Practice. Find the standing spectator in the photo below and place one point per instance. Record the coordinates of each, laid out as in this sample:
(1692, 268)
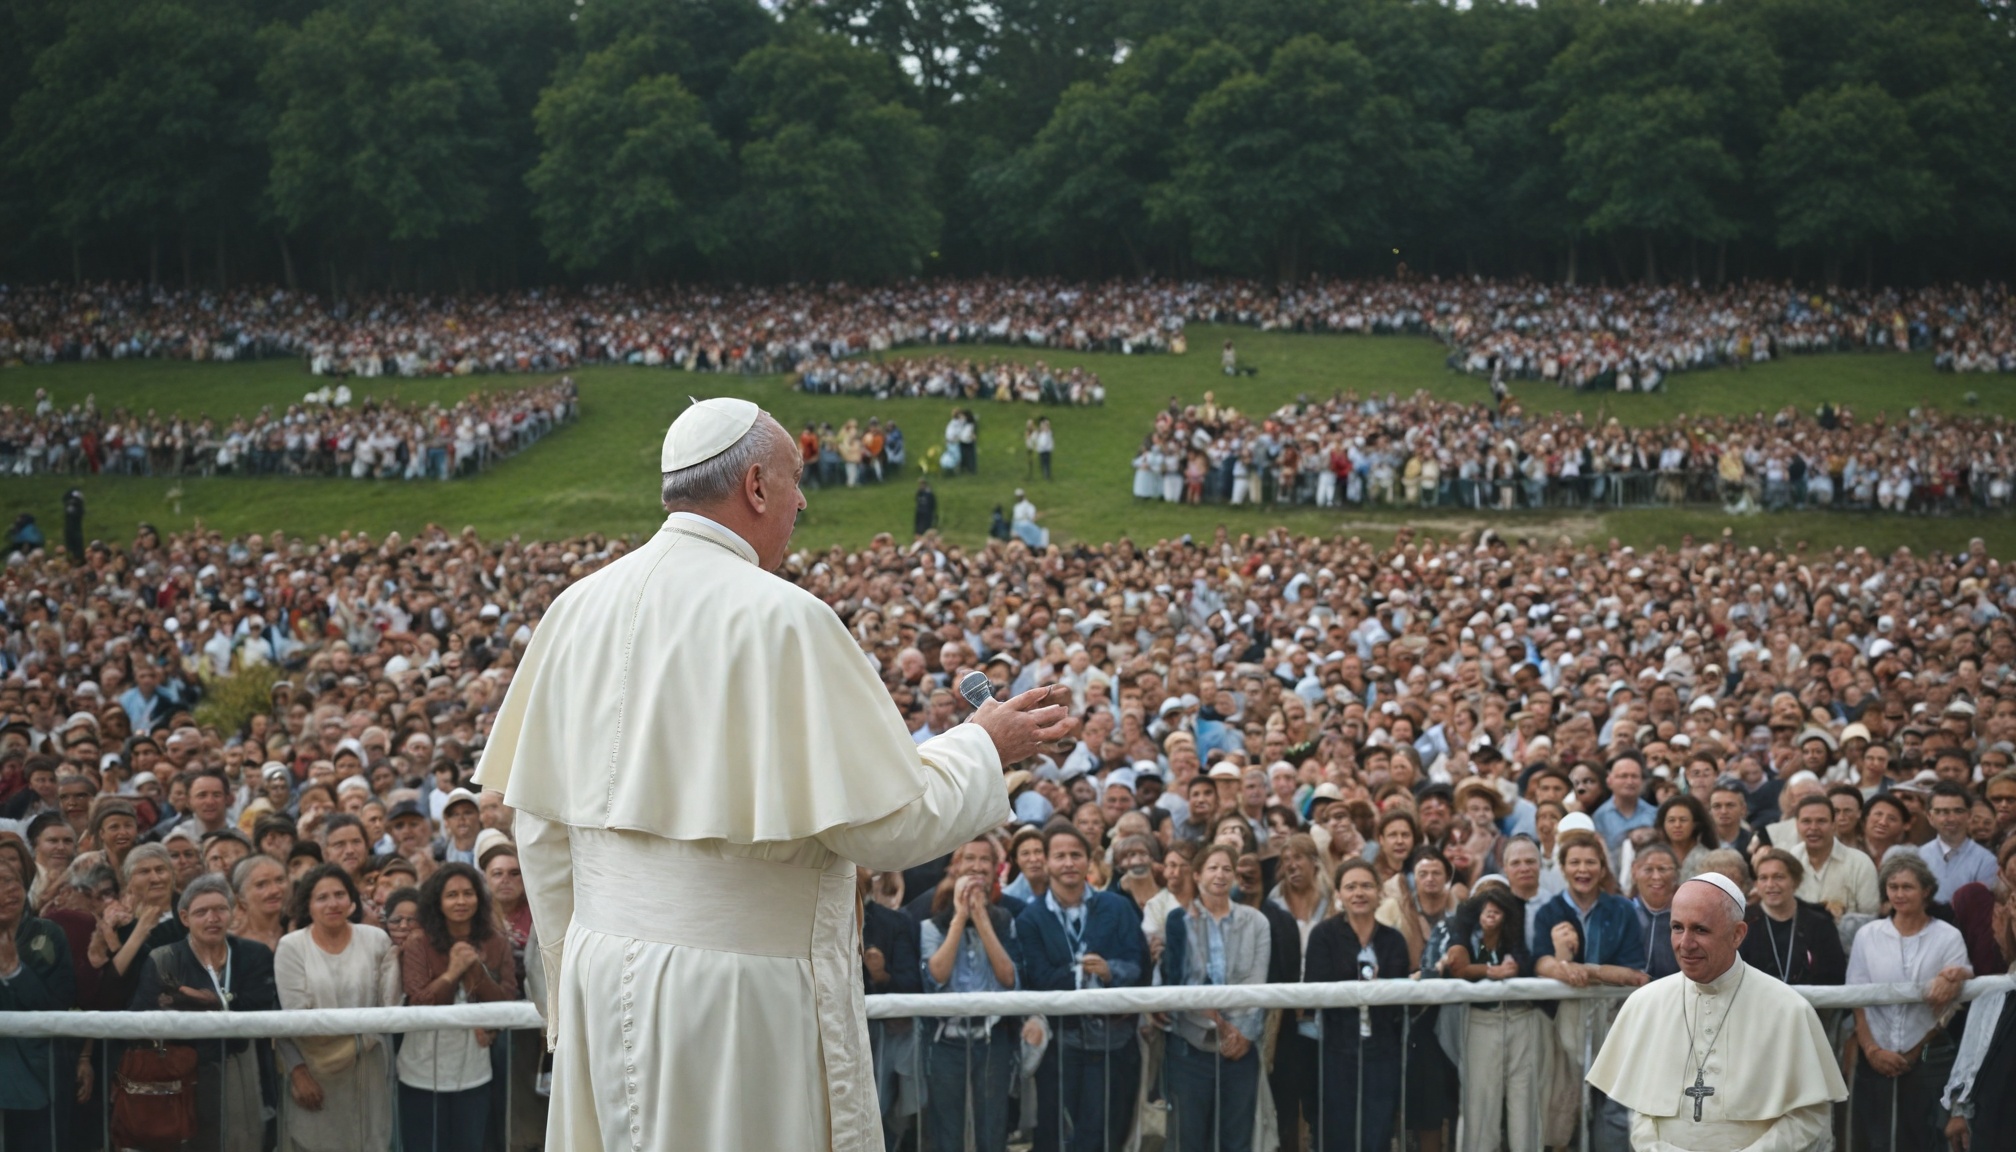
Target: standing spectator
(1361, 1046)
(402, 915)
(1906, 1044)
(73, 524)
(261, 886)
(1213, 1056)
(925, 518)
(1304, 894)
(505, 883)
(1505, 1061)
(969, 446)
(463, 820)
(1046, 445)
(1077, 937)
(1626, 808)
(1655, 874)
(457, 956)
(35, 976)
(54, 845)
(892, 447)
(1838, 877)
(1981, 912)
(340, 1086)
(211, 970)
(1954, 856)
(1590, 935)
(142, 920)
(1791, 939)
(889, 963)
(1683, 826)
(1422, 906)
(970, 1061)
(1023, 523)
(1982, 1108)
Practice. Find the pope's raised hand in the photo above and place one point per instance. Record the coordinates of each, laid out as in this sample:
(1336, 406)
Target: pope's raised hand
(1027, 724)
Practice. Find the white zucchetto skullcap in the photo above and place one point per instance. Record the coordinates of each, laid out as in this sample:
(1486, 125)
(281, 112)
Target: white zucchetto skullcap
(1727, 886)
(705, 430)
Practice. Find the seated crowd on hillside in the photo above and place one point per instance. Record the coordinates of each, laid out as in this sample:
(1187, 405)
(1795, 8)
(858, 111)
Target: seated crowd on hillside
(322, 435)
(948, 377)
(1589, 336)
(1425, 452)
(1302, 760)
(699, 328)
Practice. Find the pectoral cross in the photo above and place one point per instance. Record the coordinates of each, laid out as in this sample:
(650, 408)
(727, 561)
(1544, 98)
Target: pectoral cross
(1699, 1092)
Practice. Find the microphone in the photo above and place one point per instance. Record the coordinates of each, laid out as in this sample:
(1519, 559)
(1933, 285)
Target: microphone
(976, 688)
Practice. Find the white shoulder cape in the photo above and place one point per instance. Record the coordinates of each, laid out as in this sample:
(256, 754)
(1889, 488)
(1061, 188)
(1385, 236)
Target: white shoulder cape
(683, 692)
(1774, 1038)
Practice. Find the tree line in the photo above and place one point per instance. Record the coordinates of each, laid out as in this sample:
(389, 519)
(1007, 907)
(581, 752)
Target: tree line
(476, 144)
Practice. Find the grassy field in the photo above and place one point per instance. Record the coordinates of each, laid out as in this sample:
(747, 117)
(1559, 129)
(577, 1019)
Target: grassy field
(600, 475)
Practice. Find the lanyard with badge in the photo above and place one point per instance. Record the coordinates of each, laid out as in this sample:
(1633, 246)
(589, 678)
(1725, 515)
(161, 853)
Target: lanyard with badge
(1074, 935)
(221, 982)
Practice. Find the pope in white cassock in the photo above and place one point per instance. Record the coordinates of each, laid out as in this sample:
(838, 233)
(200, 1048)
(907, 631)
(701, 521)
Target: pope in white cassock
(700, 755)
(1719, 1057)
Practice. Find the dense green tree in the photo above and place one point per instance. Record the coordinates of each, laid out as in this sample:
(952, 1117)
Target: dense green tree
(1278, 167)
(1661, 106)
(630, 165)
(699, 41)
(1847, 171)
(458, 143)
(1084, 183)
(836, 173)
(140, 119)
(378, 135)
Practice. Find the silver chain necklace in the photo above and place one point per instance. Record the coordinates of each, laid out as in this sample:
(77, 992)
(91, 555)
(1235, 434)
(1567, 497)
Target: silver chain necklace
(1784, 962)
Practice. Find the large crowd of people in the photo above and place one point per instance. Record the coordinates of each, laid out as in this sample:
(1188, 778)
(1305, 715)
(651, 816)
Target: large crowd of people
(324, 434)
(949, 377)
(1419, 451)
(699, 328)
(1302, 759)
(1625, 338)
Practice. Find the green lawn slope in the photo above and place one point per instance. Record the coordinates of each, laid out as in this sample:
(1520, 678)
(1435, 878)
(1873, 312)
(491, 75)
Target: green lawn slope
(601, 474)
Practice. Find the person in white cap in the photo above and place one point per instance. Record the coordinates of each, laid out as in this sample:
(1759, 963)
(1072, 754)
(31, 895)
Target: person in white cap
(683, 718)
(1719, 1056)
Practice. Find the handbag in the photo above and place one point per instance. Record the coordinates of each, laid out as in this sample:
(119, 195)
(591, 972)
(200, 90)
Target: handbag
(154, 1097)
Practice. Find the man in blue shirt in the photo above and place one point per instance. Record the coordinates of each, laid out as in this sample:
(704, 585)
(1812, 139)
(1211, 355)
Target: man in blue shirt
(1077, 937)
(149, 702)
(1625, 809)
(1953, 855)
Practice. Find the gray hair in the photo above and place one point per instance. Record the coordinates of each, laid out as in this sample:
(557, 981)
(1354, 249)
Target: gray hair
(89, 872)
(207, 884)
(241, 872)
(712, 481)
(140, 855)
(1914, 864)
(1727, 861)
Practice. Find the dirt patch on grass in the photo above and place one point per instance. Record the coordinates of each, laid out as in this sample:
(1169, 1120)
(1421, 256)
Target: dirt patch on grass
(1574, 525)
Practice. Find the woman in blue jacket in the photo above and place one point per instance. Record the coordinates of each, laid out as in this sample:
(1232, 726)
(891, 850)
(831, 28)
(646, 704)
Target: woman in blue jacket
(1590, 935)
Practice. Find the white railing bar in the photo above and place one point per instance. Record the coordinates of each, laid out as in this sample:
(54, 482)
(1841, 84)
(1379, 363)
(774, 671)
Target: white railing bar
(520, 1014)
(1344, 994)
(500, 1015)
